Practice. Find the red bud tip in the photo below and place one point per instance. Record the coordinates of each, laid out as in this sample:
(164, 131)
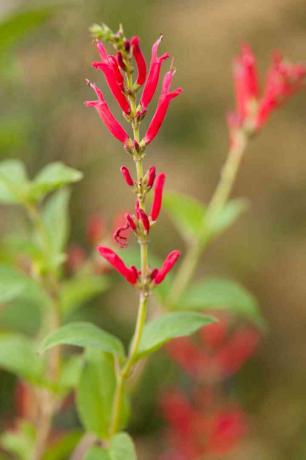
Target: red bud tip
(127, 176)
(158, 195)
(168, 264)
(151, 176)
(130, 221)
(129, 273)
(144, 219)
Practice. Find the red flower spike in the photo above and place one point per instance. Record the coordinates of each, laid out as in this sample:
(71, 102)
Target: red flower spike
(140, 61)
(153, 77)
(127, 176)
(151, 176)
(162, 107)
(144, 219)
(158, 196)
(129, 273)
(112, 80)
(168, 264)
(106, 116)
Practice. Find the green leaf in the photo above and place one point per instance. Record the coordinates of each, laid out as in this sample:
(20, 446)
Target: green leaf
(169, 326)
(84, 335)
(61, 448)
(96, 453)
(13, 182)
(52, 177)
(18, 355)
(95, 393)
(122, 448)
(220, 294)
(79, 290)
(228, 215)
(187, 213)
(56, 222)
(12, 283)
(70, 373)
(20, 442)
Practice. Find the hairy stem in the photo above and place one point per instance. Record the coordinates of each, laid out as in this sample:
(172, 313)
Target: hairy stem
(48, 281)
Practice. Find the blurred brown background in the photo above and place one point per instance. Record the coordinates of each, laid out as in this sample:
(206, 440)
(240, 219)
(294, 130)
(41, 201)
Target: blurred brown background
(42, 93)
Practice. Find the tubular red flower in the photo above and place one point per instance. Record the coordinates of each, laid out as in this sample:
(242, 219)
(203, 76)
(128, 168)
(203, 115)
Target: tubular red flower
(140, 60)
(168, 264)
(153, 77)
(101, 49)
(162, 107)
(127, 176)
(111, 76)
(158, 196)
(144, 219)
(151, 176)
(282, 81)
(245, 79)
(129, 273)
(120, 61)
(106, 116)
(130, 221)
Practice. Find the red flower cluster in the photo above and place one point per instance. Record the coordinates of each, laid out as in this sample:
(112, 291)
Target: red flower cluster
(117, 70)
(205, 423)
(283, 80)
(218, 352)
(113, 68)
(200, 426)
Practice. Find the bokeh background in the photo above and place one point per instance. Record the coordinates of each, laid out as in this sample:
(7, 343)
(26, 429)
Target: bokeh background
(43, 64)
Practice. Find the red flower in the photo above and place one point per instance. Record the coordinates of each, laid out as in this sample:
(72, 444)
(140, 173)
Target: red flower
(162, 107)
(106, 116)
(127, 176)
(170, 261)
(151, 174)
(153, 77)
(142, 216)
(158, 196)
(140, 61)
(283, 80)
(129, 273)
(112, 75)
(245, 78)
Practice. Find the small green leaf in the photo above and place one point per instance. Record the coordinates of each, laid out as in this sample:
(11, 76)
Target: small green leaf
(56, 222)
(187, 214)
(12, 283)
(79, 290)
(96, 453)
(18, 355)
(228, 215)
(20, 442)
(223, 294)
(52, 177)
(61, 448)
(169, 326)
(95, 393)
(13, 182)
(86, 335)
(122, 448)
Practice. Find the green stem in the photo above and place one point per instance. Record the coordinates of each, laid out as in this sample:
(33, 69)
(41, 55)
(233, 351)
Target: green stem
(217, 202)
(125, 371)
(49, 283)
